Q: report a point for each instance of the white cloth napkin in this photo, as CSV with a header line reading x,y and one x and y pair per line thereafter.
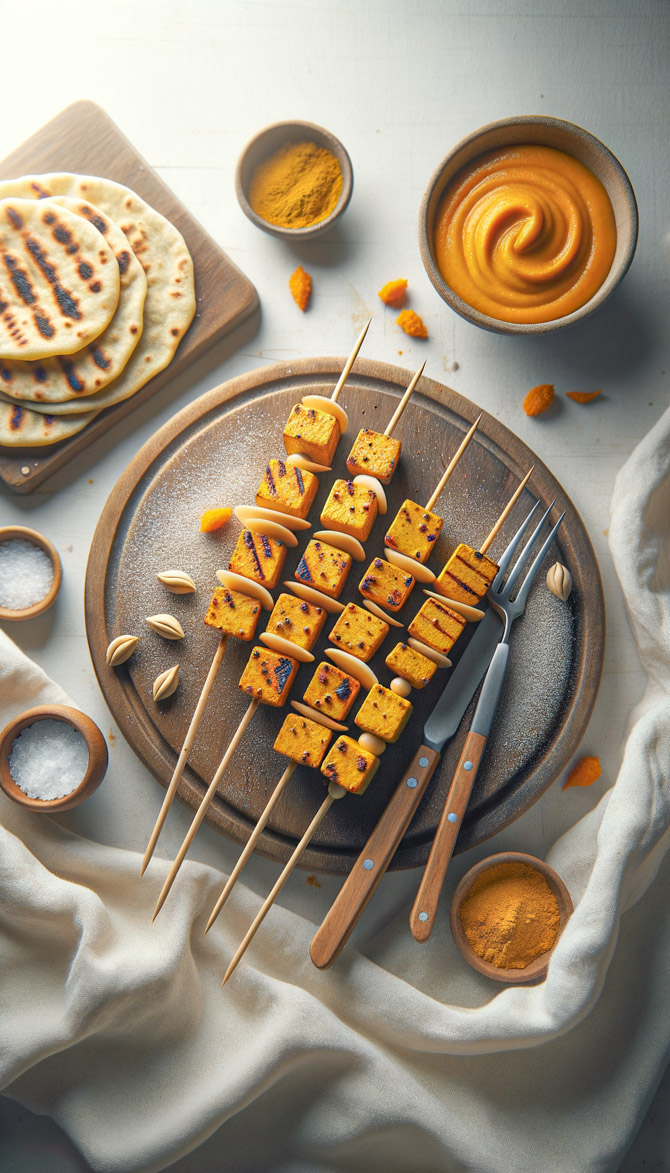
x,y
122,1034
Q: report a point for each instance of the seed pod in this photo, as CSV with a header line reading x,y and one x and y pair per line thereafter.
x,y
121,649
177,582
166,625
559,581
166,683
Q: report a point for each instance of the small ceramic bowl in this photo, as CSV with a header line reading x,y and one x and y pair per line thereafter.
x,y
264,144
537,969
97,757
539,130
9,532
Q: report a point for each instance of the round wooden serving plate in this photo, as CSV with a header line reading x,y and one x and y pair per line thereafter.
x,y
213,453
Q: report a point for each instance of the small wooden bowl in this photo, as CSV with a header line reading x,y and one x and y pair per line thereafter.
x,y
97,757
8,532
536,129
264,144
537,970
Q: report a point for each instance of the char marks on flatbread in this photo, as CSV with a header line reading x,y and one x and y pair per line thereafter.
x,y
22,428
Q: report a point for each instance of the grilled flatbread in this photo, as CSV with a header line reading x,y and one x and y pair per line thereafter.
x,y
22,428
59,282
54,380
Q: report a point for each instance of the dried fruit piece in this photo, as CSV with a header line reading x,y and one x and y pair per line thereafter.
x,y
583,396
559,581
412,324
213,519
393,293
300,284
121,649
166,683
538,399
585,773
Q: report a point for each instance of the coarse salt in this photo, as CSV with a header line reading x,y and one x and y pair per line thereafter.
x,y
49,759
26,574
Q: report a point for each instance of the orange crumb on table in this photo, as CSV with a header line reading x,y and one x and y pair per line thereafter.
x,y
313,882
583,396
585,773
300,284
213,519
412,324
538,399
393,293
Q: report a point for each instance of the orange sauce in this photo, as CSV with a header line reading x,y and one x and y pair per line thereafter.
x,y
525,234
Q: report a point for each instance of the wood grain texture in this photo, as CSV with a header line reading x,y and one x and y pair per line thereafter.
x,y
202,444
83,139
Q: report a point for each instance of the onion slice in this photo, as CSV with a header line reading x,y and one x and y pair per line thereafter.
x,y
420,572
472,614
246,586
377,489
320,718
245,513
310,595
322,403
353,667
346,542
277,643
381,613
297,460
429,653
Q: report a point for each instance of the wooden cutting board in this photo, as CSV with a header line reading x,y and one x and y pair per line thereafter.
x,y
84,139
214,452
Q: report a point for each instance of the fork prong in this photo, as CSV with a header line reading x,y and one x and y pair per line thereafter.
x,y
525,556
511,549
522,595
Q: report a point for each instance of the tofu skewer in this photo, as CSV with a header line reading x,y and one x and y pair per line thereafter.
x,y
376,454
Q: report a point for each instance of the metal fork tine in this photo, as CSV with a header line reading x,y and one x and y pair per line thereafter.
x,y
511,549
524,556
520,600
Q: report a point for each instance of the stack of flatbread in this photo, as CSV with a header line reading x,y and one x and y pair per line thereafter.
x,y
96,293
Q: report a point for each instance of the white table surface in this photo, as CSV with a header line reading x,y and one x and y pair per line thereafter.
x,y
399,83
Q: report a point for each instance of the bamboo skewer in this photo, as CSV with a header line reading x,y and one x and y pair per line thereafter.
x,y
503,516
403,402
334,792
253,840
350,362
452,465
204,806
185,751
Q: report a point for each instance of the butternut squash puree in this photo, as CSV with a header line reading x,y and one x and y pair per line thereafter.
x,y
525,234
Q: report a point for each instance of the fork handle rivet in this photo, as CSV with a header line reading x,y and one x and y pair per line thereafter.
x,y
467,765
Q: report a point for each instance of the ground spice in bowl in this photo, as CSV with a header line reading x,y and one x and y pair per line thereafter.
x,y
297,186
510,915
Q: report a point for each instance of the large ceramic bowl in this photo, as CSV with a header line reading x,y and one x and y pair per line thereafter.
x,y
539,130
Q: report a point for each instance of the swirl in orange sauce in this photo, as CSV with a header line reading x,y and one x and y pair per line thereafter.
x,y
525,234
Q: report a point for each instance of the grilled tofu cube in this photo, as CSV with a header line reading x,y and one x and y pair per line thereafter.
x,y
411,665
314,433
233,613
375,454
287,489
268,676
467,575
359,632
324,568
302,740
414,531
384,713
258,557
437,626
351,766
331,691
296,620
350,509
386,585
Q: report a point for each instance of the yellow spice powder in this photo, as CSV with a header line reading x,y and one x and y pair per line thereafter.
x,y
299,185
510,915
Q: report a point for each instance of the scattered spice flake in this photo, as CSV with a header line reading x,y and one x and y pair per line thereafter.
x,y
538,399
583,396
412,324
313,882
585,773
213,519
300,284
393,293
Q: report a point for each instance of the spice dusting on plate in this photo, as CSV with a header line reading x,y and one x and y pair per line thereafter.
x,y
26,574
49,759
299,185
510,916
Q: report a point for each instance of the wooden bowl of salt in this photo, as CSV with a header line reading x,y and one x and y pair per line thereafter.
x,y
30,573
52,758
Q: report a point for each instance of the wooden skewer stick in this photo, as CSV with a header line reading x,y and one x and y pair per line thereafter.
x,y
350,362
185,750
452,464
204,806
503,516
253,840
334,792
404,401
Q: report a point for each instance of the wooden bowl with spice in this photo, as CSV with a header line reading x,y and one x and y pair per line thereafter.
x,y
52,758
507,914
294,180
30,573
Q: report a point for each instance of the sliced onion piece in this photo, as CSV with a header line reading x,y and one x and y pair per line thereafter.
x,y
272,529
377,489
246,586
353,667
277,643
420,572
345,542
297,460
322,403
372,743
320,718
245,513
310,595
429,653
472,614
382,614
